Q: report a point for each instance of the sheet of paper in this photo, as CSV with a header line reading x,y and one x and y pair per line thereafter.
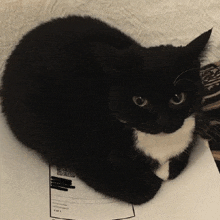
x,y
70,197
26,191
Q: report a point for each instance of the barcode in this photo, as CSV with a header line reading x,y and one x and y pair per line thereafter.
x,y
65,172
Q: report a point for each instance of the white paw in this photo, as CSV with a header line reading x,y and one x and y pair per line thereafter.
x,y
163,171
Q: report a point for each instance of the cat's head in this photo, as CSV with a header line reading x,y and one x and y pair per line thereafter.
x,y
155,89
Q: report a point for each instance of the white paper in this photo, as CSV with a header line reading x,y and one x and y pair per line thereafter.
x,y
25,191
71,199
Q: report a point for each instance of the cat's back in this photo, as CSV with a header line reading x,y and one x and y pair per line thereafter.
x,y
52,84
62,45
60,53
71,33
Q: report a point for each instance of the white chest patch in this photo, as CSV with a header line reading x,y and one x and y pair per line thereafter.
x,y
163,146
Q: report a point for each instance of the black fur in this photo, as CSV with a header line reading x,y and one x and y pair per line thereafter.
x,y
178,163
67,92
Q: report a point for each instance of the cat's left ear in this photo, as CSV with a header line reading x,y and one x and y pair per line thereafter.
x,y
196,47
192,54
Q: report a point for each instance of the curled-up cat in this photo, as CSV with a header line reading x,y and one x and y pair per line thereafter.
x,y
89,98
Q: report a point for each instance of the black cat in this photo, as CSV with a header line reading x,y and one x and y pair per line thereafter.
x,y
91,99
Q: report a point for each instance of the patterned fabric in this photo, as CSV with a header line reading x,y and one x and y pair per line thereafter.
x,y
210,76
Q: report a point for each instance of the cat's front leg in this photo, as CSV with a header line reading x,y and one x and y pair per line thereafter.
x,y
119,176
178,164
173,167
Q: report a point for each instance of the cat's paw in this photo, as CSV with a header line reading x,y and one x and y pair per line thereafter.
x,y
176,167
142,193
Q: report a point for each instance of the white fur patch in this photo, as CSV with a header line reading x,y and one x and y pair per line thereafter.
x,y
163,171
164,146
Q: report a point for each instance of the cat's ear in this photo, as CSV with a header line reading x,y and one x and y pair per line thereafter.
x,y
111,59
196,48
191,56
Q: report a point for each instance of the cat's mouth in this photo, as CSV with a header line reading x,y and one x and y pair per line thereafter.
x,y
162,130
154,128
177,125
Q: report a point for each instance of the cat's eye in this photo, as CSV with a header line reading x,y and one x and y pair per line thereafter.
x,y
178,99
141,102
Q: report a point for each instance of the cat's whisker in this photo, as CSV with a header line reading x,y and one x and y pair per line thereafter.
x,y
183,73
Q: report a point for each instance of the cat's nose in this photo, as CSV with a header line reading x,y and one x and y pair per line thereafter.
x,y
162,119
